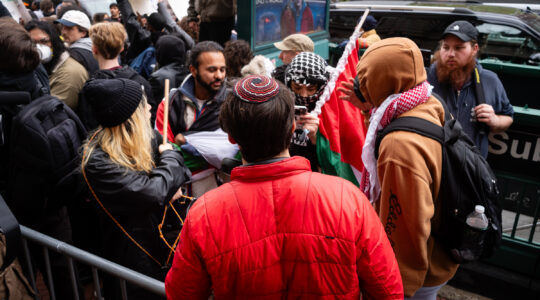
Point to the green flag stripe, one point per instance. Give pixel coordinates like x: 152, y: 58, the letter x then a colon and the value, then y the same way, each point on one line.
x: 330, y: 161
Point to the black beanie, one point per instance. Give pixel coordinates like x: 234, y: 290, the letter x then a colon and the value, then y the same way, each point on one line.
x: 113, y: 101
x: 170, y: 49
x: 157, y: 21
x: 369, y: 23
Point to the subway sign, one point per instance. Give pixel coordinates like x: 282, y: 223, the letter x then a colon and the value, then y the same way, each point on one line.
x: 515, y: 151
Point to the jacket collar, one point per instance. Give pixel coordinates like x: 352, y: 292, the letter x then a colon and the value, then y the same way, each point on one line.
x: 188, y: 89
x: 84, y: 43
x: 282, y: 168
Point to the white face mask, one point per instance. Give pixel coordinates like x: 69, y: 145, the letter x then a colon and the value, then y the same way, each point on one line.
x: 45, y: 53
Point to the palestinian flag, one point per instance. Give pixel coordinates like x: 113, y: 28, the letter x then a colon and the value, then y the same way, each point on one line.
x: 341, y: 130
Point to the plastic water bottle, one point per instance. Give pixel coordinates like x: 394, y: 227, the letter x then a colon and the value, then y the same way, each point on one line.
x: 477, y: 219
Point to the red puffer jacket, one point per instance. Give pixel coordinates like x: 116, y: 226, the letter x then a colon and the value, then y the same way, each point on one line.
x: 280, y: 231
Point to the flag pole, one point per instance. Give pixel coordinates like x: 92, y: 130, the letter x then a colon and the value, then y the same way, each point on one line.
x: 166, y: 112
x: 341, y: 64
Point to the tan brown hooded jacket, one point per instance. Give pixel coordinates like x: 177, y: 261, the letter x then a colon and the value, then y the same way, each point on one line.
x: 409, y: 166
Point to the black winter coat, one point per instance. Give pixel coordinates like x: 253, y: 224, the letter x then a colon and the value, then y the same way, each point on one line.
x: 136, y: 200
x: 175, y: 72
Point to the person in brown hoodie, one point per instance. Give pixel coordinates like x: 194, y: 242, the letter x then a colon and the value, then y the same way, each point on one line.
x: 403, y: 183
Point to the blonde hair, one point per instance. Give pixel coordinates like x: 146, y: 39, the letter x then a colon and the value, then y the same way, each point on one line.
x: 128, y: 144
x: 108, y: 38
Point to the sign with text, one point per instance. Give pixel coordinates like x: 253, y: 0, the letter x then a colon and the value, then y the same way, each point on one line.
x: 516, y: 150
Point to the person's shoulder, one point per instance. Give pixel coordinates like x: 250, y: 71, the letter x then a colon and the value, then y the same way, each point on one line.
x: 490, y: 77
x: 332, y: 183
x: 212, y: 202
x: 72, y: 65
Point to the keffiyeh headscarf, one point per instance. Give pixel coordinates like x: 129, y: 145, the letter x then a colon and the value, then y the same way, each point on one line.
x: 383, y: 115
x: 308, y: 68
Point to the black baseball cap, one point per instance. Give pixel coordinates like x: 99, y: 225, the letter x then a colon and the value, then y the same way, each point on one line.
x: 464, y: 30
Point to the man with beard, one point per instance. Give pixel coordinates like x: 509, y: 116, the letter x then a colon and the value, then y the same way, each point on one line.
x: 453, y: 74
x: 195, y: 105
x: 66, y: 75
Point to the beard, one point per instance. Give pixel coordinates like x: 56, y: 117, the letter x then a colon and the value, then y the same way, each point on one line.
x: 456, y: 77
x: 208, y: 86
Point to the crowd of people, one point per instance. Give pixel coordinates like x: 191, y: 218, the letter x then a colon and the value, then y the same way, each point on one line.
x: 275, y: 226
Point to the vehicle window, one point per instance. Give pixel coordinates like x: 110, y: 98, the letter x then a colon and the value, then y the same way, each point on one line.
x: 506, y: 43
x: 424, y: 31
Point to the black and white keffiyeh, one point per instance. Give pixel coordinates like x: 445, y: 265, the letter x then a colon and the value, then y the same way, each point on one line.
x: 307, y: 68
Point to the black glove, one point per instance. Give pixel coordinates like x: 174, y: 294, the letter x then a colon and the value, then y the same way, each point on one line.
x: 356, y: 88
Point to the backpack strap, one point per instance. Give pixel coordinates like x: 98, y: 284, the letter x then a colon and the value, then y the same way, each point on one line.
x: 480, y: 98
x: 411, y: 124
x: 12, y: 232
x: 478, y: 88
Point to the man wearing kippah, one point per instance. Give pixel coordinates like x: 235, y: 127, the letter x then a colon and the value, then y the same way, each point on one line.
x: 290, y: 47
x: 278, y: 230
x: 453, y: 75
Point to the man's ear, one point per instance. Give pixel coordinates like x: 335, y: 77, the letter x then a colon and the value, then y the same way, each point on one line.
x: 94, y: 50
x: 231, y: 140
x: 476, y: 48
x: 193, y: 70
x: 293, y: 126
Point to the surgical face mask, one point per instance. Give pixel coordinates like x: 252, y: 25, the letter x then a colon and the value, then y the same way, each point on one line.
x: 45, y: 53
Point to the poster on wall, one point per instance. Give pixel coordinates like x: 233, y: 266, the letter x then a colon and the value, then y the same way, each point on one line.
x: 276, y: 19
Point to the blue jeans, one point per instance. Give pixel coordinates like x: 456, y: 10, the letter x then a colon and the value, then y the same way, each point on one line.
x: 426, y: 293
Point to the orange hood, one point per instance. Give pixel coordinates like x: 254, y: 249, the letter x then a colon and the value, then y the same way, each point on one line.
x: 390, y: 66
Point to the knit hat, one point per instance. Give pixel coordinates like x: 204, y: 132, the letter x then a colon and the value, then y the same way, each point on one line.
x: 307, y: 68
x: 296, y: 42
x: 369, y: 23
x: 170, y: 49
x: 113, y: 101
x: 157, y: 21
x: 256, y: 89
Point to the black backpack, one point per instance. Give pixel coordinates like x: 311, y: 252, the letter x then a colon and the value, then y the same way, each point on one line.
x: 466, y: 181
x: 44, y: 165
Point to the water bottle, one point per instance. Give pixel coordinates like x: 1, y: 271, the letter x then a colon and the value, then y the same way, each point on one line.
x: 472, y: 242
x: 477, y: 219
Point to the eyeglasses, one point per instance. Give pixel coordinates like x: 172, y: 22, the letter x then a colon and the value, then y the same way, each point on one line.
x: 43, y: 41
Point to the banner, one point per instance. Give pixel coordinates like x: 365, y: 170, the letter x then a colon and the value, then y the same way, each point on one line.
x: 17, y: 10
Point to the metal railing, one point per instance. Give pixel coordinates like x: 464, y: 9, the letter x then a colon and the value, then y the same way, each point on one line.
x: 521, y: 204
x: 95, y: 262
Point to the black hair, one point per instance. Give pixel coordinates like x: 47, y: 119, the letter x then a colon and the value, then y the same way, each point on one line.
x: 201, y: 47
x: 261, y: 130
x: 157, y: 21
x: 57, y: 44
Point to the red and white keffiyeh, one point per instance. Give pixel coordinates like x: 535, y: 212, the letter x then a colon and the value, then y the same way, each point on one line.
x: 383, y: 115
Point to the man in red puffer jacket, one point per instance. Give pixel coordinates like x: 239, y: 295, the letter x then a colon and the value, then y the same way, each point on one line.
x: 278, y: 230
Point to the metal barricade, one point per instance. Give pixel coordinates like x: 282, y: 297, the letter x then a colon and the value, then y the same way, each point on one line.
x: 95, y: 262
